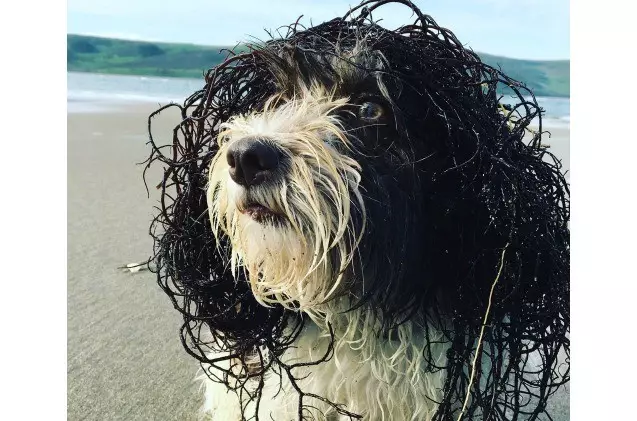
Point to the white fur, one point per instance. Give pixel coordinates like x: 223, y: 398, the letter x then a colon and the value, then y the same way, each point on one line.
x: 382, y: 379
x: 291, y: 265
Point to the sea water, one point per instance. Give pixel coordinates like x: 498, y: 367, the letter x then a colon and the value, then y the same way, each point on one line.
x: 87, y: 92
x: 92, y: 92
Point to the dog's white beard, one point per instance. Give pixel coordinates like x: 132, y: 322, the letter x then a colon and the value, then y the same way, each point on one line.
x: 283, y: 264
x: 300, y: 262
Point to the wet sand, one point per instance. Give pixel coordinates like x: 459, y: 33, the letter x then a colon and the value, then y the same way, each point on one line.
x: 125, y: 359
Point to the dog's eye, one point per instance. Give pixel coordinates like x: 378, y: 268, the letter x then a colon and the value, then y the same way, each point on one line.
x: 370, y: 111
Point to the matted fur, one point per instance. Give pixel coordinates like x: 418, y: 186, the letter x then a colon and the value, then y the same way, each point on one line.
x: 367, y: 298
x: 288, y: 265
x: 378, y: 380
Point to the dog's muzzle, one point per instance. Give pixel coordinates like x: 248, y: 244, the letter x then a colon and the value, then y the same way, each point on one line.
x: 252, y: 160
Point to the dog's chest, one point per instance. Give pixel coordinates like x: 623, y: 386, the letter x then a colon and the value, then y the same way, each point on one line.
x: 378, y: 378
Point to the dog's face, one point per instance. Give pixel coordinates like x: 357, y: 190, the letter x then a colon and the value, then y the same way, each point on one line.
x: 305, y: 186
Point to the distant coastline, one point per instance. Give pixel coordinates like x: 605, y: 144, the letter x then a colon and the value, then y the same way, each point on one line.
x: 89, y: 54
x: 94, y: 92
x: 122, y: 71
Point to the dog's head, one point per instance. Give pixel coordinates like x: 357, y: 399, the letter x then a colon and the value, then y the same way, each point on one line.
x: 321, y: 184
x: 377, y: 168
x: 361, y: 173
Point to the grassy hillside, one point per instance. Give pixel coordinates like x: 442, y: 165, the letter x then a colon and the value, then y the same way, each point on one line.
x: 545, y: 78
x: 106, y: 55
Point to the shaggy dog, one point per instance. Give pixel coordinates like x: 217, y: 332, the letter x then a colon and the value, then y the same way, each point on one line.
x: 353, y: 228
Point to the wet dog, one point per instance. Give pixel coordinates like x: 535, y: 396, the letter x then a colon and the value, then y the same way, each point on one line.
x: 359, y: 230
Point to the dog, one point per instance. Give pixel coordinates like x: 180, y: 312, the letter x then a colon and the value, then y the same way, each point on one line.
x: 353, y: 227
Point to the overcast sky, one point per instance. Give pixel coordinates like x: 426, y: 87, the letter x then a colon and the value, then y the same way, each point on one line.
x: 531, y: 29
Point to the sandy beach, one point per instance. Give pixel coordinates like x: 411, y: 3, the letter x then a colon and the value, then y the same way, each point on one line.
x: 125, y: 359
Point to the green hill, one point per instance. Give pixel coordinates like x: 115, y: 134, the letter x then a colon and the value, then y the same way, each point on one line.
x: 544, y: 77
x: 106, y: 55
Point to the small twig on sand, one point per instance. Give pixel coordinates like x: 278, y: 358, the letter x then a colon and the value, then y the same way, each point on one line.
x: 135, y: 267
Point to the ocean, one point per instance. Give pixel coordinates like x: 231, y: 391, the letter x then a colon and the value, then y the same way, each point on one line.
x: 91, y: 92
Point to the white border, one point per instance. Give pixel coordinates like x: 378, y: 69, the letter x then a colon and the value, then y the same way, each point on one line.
x: 604, y: 209
x: 33, y: 210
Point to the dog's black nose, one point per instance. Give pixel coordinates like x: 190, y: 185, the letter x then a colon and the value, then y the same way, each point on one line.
x: 251, y: 160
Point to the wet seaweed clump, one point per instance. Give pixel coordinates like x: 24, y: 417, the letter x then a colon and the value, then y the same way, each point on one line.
x: 498, y: 205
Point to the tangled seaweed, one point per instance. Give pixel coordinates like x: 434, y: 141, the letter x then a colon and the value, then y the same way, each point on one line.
x: 494, y: 184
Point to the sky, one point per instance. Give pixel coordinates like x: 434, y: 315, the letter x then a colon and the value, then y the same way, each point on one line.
x: 525, y: 29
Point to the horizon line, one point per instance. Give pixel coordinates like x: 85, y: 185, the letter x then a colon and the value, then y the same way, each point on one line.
x: 135, y: 39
